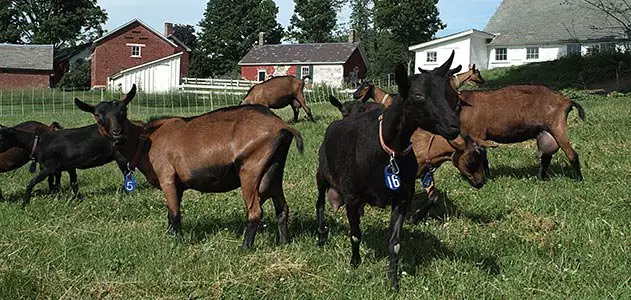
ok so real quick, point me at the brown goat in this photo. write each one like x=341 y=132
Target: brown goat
x=16 y=157
x=278 y=92
x=518 y=113
x=243 y=146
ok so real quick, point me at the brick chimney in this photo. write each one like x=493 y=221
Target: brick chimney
x=261 y=38
x=168 y=28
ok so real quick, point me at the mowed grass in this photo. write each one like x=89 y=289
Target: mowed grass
x=515 y=238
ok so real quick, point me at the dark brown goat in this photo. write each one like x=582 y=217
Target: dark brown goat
x=279 y=92
x=16 y=157
x=244 y=146
x=518 y=113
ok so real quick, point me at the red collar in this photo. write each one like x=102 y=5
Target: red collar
x=134 y=161
x=385 y=147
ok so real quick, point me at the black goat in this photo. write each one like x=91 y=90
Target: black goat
x=366 y=158
x=62 y=150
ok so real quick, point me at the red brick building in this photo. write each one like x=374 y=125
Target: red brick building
x=326 y=63
x=132 y=45
x=25 y=66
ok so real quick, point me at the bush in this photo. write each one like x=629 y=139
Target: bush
x=572 y=71
x=77 y=78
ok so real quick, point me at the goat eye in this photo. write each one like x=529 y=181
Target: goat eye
x=419 y=96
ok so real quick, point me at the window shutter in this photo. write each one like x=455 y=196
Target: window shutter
x=311 y=71
x=298 y=71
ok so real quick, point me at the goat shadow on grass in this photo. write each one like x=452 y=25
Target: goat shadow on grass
x=445 y=207
x=531 y=171
x=419 y=249
x=300 y=225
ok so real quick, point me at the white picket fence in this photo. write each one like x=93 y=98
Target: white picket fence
x=202 y=85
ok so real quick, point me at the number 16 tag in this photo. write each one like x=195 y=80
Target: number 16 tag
x=392 y=180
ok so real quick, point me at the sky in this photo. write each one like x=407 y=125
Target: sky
x=459 y=15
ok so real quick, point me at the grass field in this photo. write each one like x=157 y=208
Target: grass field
x=516 y=238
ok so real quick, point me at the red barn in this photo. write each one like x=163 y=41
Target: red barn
x=326 y=63
x=25 y=66
x=136 y=53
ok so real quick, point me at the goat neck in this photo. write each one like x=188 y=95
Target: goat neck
x=130 y=147
x=398 y=125
x=23 y=139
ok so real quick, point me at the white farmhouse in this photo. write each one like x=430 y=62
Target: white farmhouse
x=525 y=31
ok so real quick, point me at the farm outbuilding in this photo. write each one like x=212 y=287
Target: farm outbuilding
x=326 y=63
x=526 y=31
x=25 y=66
x=135 y=49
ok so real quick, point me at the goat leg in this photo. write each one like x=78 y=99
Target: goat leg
x=323 y=231
x=74 y=184
x=29 y=187
x=353 y=214
x=394 y=245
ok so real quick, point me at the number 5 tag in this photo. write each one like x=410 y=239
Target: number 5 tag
x=393 y=181
x=130 y=182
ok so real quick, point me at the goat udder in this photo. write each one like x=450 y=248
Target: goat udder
x=334 y=199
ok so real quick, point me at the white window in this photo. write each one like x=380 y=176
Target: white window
x=532 y=53
x=304 y=71
x=432 y=56
x=261 y=75
x=136 y=49
x=501 y=54
x=573 y=49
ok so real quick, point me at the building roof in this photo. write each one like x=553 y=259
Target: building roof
x=450 y=37
x=523 y=22
x=122 y=27
x=26 y=57
x=153 y=62
x=66 y=53
x=322 y=53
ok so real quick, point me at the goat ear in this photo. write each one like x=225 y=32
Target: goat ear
x=458 y=143
x=403 y=82
x=442 y=70
x=473 y=67
x=454 y=71
x=84 y=106
x=486 y=144
x=130 y=95
x=335 y=102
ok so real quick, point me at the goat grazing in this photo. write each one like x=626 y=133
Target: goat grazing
x=62 y=150
x=16 y=157
x=244 y=146
x=522 y=112
x=278 y=92
x=366 y=158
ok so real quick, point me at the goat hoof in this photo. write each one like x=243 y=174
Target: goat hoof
x=323 y=237
x=394 y=281
x=355 y=261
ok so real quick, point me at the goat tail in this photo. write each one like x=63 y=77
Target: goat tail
x=581 y=111
x=55 y=125
x=298 y=137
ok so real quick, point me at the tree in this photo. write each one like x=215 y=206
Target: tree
x=398 y=25
x=61 y=23
x=313 y=21
x=229 y=29
x=186 y=34
x=78 y=77
x=618 y=10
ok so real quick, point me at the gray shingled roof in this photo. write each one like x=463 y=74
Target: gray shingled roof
x=520 y=22
x=27 y=57
x=299 y=53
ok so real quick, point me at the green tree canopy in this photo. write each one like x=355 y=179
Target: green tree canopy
x=229 y=29
x=61 y=23
x=186 y=34
x=313 y=21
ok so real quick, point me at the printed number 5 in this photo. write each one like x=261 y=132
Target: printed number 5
x=129 y=185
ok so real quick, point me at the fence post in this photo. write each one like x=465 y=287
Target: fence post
x=11 y=102
x=43 y=106
x=1 y=101
x=53 y=101
x=212 y=104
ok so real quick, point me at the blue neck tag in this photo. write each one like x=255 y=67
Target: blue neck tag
x=428 y=179
x=393 y=182
x=130 y=182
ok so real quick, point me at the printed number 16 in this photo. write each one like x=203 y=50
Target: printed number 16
x=394 y=182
